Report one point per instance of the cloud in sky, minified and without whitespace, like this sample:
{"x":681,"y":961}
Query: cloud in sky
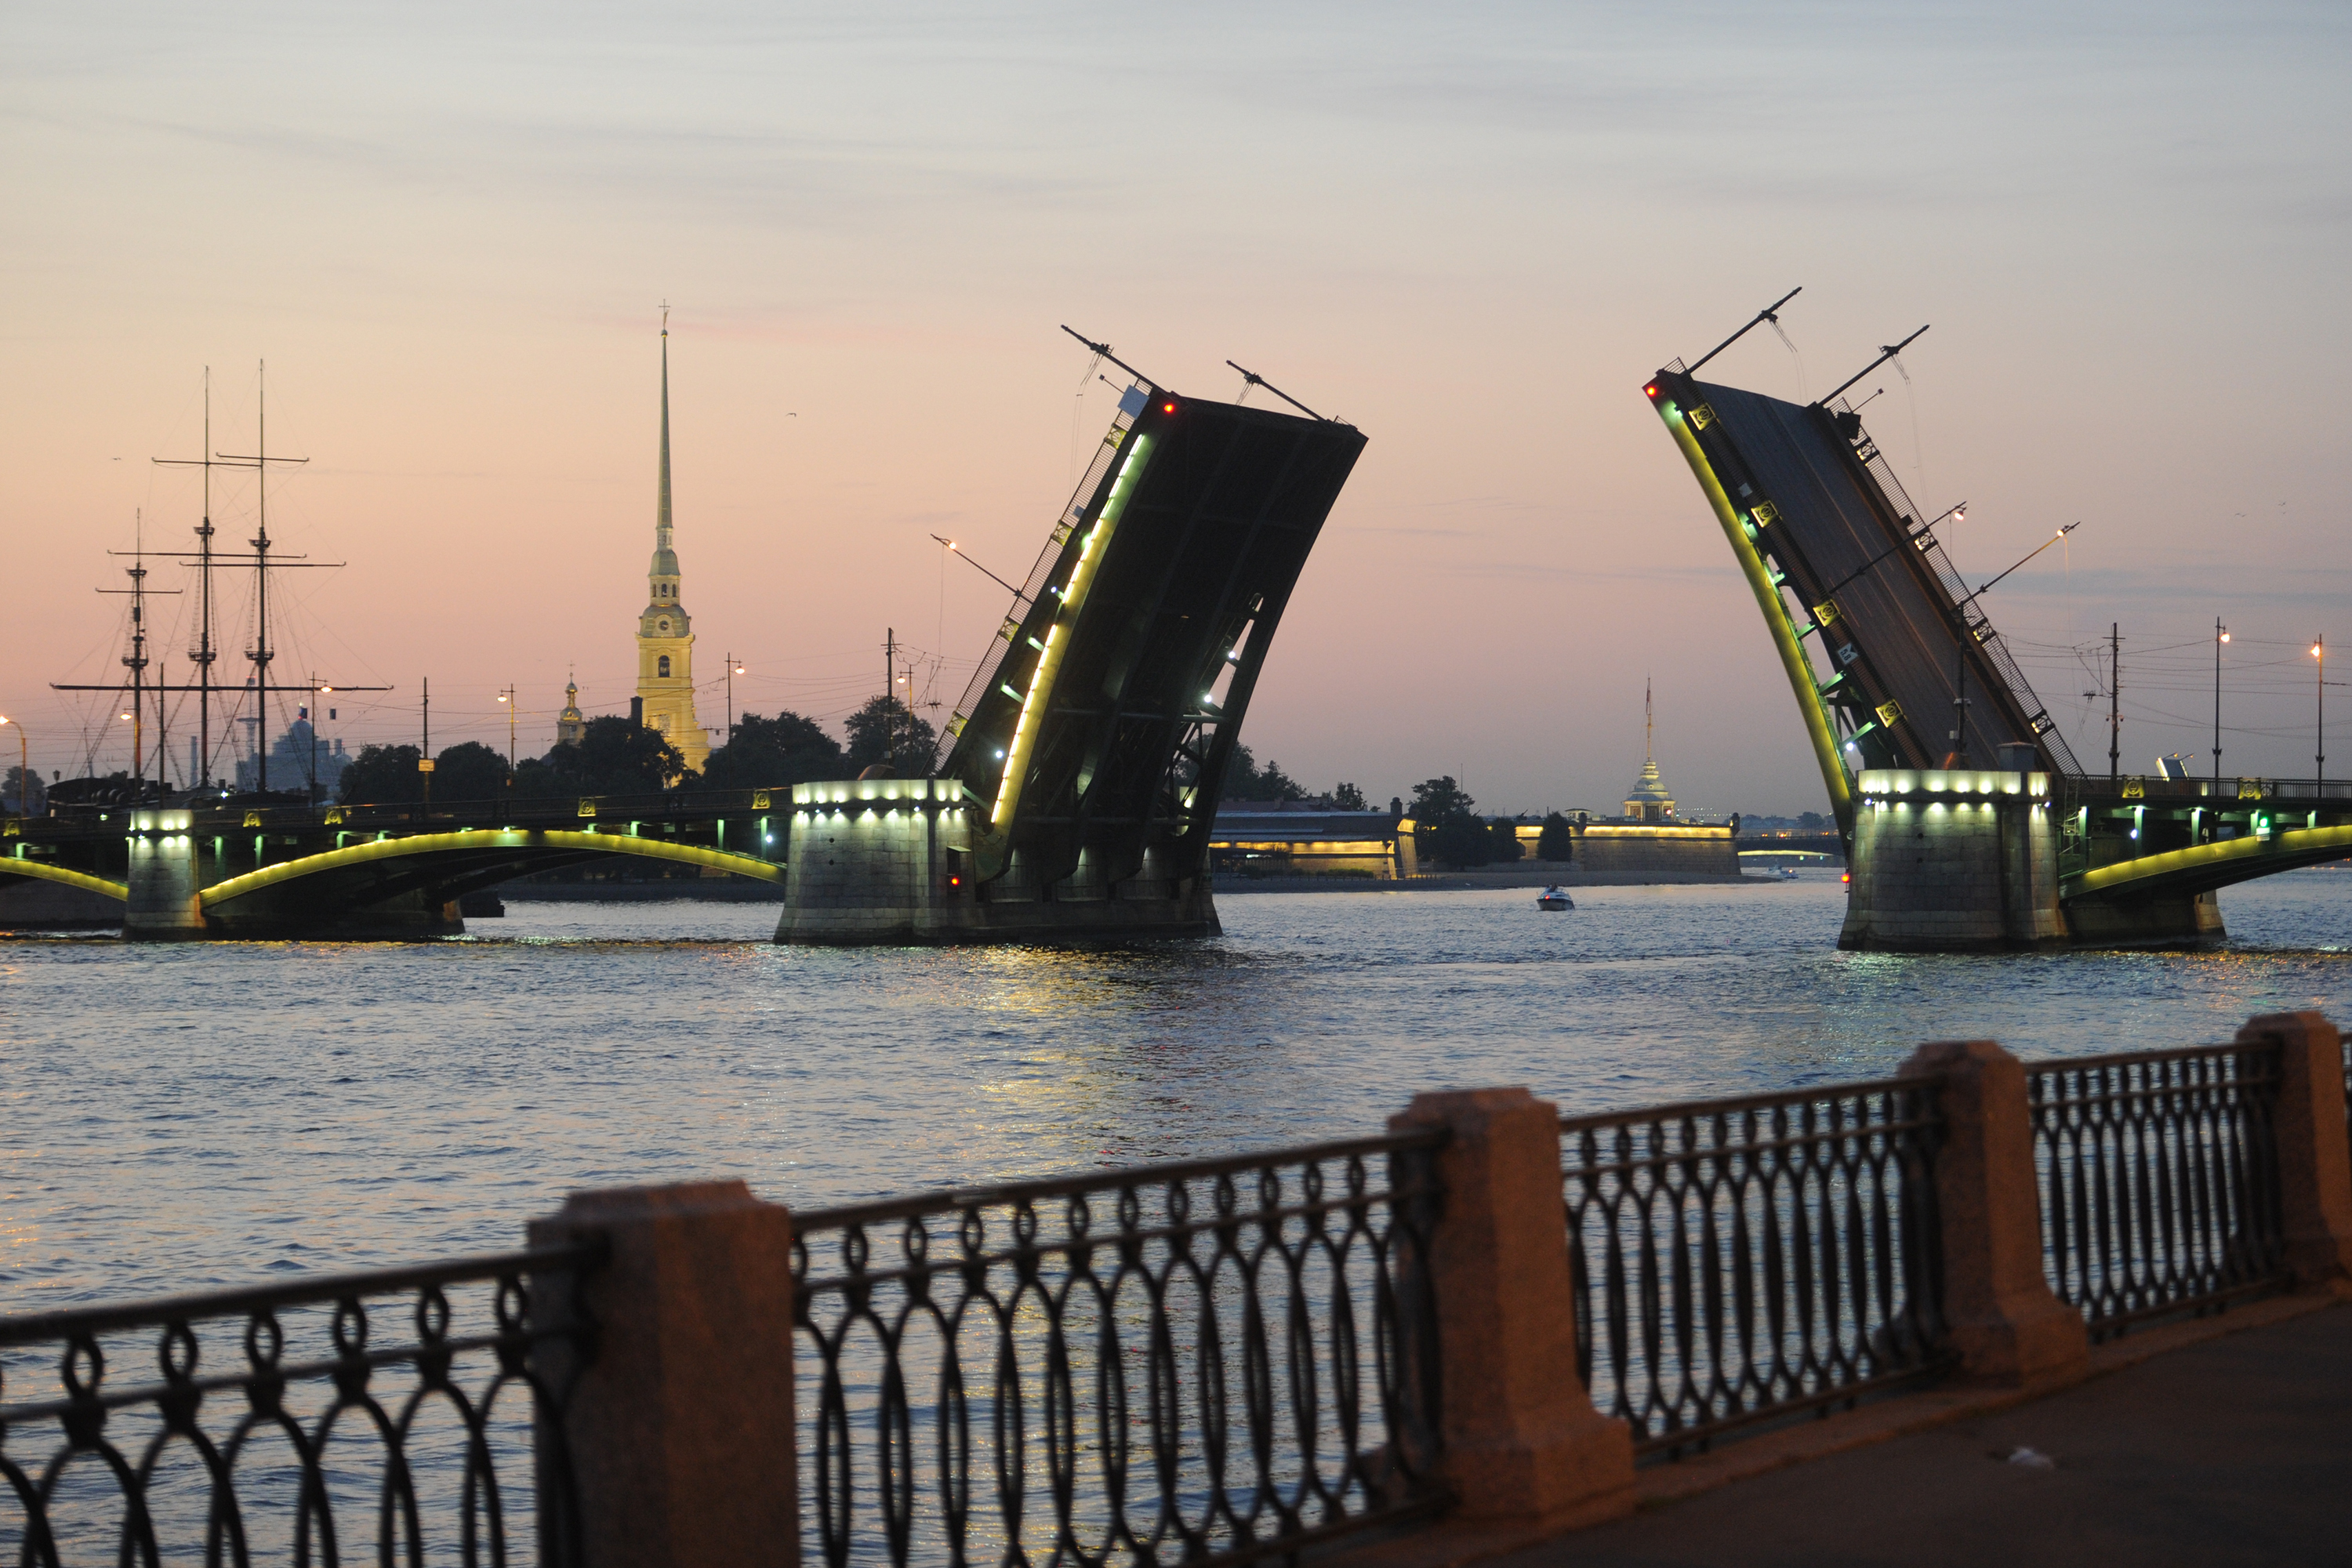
{"x":1473,"y":234}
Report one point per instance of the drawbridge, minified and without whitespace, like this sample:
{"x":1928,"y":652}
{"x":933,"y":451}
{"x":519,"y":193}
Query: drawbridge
{"x":1966,"y":818}
{"x":1095,"y":734}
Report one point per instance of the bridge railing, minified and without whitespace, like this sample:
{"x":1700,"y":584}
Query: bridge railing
{"x":390,"y":1416}
{"x":1976,"y":625}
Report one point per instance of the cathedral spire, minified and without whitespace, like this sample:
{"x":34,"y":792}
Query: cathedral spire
{"x":661,"y":514}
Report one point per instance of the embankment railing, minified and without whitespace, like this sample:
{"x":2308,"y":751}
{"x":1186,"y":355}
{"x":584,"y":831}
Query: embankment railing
{"x":1737,"y":1259}
{"x":2157,"y":1173}
{"x":1157,"y":1365}
{"x":1215,"y":1361}
{"x":385,"y":1416}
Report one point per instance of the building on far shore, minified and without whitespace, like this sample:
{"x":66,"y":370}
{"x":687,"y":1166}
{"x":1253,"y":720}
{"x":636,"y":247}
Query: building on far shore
{"x":1309,"y":838}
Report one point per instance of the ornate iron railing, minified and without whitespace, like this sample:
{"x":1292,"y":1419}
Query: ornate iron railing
{"x":2159,"y":1179}
{"x":1738,"y":1260}
{"x":1207,"y":1361}
{"x":283,"y":1424}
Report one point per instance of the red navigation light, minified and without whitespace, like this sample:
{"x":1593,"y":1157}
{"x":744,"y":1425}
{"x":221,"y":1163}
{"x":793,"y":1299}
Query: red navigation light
{"x":1846,"y":875}
{"x":1169,"y":407}
{"x":1653,"y":391}
{"x":955,"y":881}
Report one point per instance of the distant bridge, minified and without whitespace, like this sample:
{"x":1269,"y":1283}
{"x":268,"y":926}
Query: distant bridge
{"x":225,"y":870}
{"x":1912,"y":705}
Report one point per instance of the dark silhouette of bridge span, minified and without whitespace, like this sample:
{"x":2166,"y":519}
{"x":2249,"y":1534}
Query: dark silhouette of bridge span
{"x":1968,"y":822}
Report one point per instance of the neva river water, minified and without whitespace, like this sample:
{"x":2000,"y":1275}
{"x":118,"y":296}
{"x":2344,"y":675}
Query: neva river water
{"x":173,"y":1118}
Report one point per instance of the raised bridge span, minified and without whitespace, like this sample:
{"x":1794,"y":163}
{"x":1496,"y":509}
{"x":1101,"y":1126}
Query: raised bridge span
{"x":1968,"y":822}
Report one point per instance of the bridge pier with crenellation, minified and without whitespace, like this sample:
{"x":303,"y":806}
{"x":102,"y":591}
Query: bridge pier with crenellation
{"x":1953,"y":862}
{"x":1970,"y":861}
{"x":883,"y":862}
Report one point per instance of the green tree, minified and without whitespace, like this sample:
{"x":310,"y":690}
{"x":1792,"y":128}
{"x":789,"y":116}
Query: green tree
{"x":1446,"y":826}
{"x":1347,"y":797}
{"x":382,"y":776}
{"x":885,"y":730}
{"x":1245,"y":780}
{"x":469,"y":771}
{"x":1506,"y":834}
{"x":13,"y":793}
{"x":1558,"y":840}
{"x":612,"y":756}
{"x":762,"y":753}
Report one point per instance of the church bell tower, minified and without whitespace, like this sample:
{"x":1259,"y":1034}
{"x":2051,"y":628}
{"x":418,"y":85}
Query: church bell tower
{"x":664,"y":634}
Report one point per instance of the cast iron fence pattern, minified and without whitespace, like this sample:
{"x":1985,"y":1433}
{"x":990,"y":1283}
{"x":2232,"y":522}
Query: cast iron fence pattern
{"x":1737,"y":1259}
{"x":1211,"y":1359}
{"x":385,"y":1417}
{"x":2158,"y":1178}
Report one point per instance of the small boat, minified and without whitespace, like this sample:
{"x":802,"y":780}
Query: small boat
{"x":1554,"y":899}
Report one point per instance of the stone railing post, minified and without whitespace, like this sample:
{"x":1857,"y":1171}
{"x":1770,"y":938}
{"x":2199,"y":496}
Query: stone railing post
{"x":680,"y":1427}
{"x":1523,"y":1444}
{"x":2009,"y":1326}
{"x":2314,"y":1165}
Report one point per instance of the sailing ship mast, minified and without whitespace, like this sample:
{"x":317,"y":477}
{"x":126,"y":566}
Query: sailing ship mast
{"x":204,"y":653}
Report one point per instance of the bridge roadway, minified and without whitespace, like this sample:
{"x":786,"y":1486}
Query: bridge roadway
{"x":223,"y":868}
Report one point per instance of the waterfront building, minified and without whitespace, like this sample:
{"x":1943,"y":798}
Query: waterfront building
{"x":1307,"y":839}
{"x":571,"y":724}
{"x":665,"y":633}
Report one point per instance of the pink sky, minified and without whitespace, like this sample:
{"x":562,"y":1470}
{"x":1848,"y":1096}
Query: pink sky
{"x":448,"y":230}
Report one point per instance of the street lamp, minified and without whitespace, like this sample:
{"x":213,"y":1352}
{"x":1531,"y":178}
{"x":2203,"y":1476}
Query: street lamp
{"x":733,"y":670}
{"x":507,"y":696}
{"x":2319,"y":730}
{"x":23,"y":771}
{"x":2220,"y":635}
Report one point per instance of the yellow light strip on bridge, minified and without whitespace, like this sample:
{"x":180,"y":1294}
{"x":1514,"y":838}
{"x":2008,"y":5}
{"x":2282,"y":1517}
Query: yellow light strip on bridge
{"x":486,"y":838}
{"x":2296,"y":842}
{"x":1049,"y":663}
{"x":1776,"y":616}
{"x":45,"y":873}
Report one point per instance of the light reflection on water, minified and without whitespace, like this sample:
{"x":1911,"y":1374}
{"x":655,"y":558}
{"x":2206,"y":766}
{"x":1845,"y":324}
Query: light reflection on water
{"x":173,"y":1117}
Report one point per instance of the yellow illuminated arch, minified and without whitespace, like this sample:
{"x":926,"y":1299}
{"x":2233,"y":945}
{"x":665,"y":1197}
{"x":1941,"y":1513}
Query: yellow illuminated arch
{"x":485,"y":839}
{"x":42,"y":873}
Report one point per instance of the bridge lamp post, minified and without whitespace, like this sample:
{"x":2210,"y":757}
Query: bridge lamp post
{"x":733,"y":670}
{"x":24,"y":771}
{"x":2220,"y":637}
{"x":507,"y":696}
{"x":2319,"y":727}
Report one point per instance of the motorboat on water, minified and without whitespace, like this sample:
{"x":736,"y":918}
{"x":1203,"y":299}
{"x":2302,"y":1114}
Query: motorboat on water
{"x":1554,"y":899}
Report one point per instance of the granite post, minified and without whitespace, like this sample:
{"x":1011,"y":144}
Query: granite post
{"x":2314,"y":1164}
{"x":2009,"y":1327}
{"x":680,"y":1425}
{"x":1523,"y":1444}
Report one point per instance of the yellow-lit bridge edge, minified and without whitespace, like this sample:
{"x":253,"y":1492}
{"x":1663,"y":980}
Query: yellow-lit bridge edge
{"x":487,"y":838}
{"x":2294,"y":841}
{"x":1776,"y":617}
{"x":88,"y":884}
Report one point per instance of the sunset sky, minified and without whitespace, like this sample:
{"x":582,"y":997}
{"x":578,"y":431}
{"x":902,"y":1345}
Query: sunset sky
{"x":1471,"y":231}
